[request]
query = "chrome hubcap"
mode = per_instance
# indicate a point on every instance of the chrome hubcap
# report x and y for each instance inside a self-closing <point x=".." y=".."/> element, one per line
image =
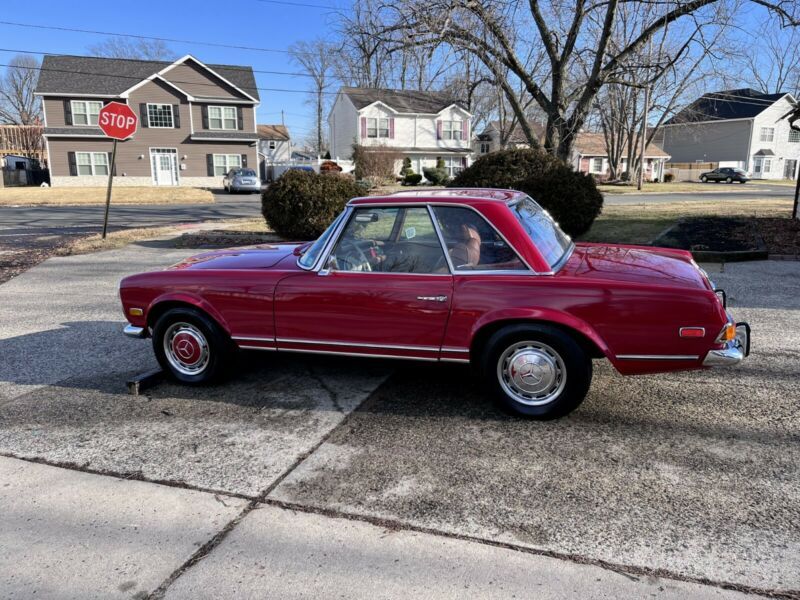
<point x="532" y="373"/>
<point x="186" y="348"/>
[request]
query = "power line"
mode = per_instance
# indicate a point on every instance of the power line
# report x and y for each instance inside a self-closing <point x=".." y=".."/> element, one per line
<point x="297" y="4"/>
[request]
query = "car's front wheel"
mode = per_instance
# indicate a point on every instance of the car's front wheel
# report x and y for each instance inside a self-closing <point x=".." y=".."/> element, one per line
<point x="536" y="371"/>
<point x="704" y="179"/>
<point x="729" y="180"/>
<point x="190" y="346"/>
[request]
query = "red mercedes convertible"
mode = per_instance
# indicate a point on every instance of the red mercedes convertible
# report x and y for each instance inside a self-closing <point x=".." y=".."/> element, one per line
<point x="476" y="276"/>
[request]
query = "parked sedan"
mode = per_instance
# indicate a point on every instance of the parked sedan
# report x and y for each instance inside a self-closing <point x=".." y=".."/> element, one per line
<point x="241" y="180"/>
<point x="474" y="276"/>
<point x="726" y="174"/>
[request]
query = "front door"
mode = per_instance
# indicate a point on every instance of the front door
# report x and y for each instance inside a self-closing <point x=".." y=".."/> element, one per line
<point x="165" y="169"/>
<point x="789" y="169"/>
<point x="386" y="291"/>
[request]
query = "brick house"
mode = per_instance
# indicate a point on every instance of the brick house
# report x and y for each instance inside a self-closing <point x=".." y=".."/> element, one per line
<point x="196" y="121"/>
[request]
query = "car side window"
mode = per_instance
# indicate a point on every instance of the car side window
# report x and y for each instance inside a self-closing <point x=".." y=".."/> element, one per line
<point x="472" y="243"/>
<point x="389" y="240"/>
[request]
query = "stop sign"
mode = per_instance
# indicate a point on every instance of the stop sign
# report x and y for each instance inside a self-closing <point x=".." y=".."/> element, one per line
<point x="117" y="120"/>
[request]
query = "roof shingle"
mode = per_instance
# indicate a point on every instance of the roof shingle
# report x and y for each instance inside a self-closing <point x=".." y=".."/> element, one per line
<point x="728" y="104"/>
<point x="404" y="101"/>
<point x="273" y="132"/>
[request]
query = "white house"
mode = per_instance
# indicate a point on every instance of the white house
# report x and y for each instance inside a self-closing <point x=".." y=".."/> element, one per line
<point x="423" y="126"/>
<point x="491" y="138"/>
<point x="274" y="146"/>
<point x="736" y="128"/>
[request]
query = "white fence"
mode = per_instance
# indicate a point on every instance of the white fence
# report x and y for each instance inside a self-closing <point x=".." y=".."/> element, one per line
<point x="277" y="168"/>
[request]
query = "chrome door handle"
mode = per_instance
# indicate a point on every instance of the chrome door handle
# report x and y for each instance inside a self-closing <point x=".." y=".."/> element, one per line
<point x="432" y="298"/>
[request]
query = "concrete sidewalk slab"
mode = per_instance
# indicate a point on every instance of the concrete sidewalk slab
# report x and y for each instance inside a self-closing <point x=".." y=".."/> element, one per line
<point x="697" y="473"/>
<point x="277" y="553"/>
<point x="66" y="534"/>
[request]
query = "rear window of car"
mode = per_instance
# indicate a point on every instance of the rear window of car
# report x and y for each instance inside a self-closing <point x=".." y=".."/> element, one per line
<point x="246" y="173"/>
<point x="551" y="242"/>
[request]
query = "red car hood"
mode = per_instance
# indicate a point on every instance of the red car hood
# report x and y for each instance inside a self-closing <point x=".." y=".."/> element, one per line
<point x="263" y="256"/>
<point x="635" y="264"/>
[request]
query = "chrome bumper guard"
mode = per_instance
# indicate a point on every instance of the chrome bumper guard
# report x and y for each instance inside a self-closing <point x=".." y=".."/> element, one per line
<point x="135" y="332"/>
<point x="733" y="352"/>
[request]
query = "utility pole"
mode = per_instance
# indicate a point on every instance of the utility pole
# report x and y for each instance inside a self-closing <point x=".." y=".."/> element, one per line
<point x="282" y="121"/>
<point x="644" y="136"/>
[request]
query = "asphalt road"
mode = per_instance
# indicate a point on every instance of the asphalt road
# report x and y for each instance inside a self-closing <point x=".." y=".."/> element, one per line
<point x="375" y="480"/>
<point x="719" y="191"/>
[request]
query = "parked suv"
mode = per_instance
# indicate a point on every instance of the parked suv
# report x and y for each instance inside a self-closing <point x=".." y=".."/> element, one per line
<point x="726" y="174"/>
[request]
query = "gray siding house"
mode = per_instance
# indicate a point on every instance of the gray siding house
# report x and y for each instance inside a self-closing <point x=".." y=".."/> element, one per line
<point x="736" y="128"/>
<point x="196" y="121"/>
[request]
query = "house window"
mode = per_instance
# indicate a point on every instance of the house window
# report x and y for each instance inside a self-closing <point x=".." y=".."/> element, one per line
<point x="451" y="130"/>
<point x="225" y="162"/>
<point x="454" y="165"/>
<point x="767" y="165"/>
<point x="377" y="128"/>
<point x="794" y="136"/>
<point x="92" y="163"/>
<point x="222" y="117"/>
<point x="159" y="116"/>
<point x="485" y="147"/>
<point x="767" y="134"/>
<point x="272" y="144"/>
<point x="596" y="166"/>
<point x="84" y="112"/>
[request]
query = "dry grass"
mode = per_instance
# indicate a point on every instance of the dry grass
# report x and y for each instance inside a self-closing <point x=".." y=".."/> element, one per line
<point x="641" y="223"/>
<point x="63" y="196"/>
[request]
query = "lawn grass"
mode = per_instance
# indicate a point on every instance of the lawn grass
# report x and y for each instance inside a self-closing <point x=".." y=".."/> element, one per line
<point x="668" y="188"/>
<point x="641" y="223"/>
<point x="65" y="196"/>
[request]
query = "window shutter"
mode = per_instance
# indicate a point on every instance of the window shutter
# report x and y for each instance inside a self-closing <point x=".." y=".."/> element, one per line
<point x="464" y="161"/>
<point x="176" y="116"/>
<point x="363" y="127"/>
<point x="143" y="114"/>
<point x="210" y="164"/>
<point x="438" y="129"/>
<point x="73" y="165"/>
<point x="204" y="113"/>
<point x="239" y="119"/>
<point x="244" y="160"/>
<point x="464" y="129"/>
<point x="391" y="128"/>
<point x="68" y="112"/>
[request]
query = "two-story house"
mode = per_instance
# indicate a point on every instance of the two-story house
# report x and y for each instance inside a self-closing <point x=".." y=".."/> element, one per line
<point x="736" y="128"/>
<point x="196" y="121"/>
<point x="423" y="126"/>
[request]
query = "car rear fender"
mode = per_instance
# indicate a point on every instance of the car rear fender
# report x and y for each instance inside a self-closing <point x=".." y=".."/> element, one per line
<point x="580" y="329"/>
<point x="174" y="299"/>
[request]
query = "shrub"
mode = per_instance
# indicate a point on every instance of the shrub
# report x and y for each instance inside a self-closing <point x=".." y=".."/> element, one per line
<point x="375" y="162"/>
<point x="412" y="179"/>
<point x="571" y="198"/>
<point x="406" y="170"/>
<point x="301" y="204"/>
<point x="669" y="177"/>
<point x="504" y="168"/>
<point x="435" y="175"/>
<point x="329" y="166"/>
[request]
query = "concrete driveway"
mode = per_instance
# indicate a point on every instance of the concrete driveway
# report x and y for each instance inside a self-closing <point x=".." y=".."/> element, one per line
<point x="304" y="477"/>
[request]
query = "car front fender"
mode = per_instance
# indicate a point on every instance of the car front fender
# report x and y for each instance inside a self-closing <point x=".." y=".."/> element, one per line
<point x="186" y="298"/>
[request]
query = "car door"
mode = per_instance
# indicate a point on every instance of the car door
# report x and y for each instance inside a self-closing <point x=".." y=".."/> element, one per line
<point x="385" y="290"/>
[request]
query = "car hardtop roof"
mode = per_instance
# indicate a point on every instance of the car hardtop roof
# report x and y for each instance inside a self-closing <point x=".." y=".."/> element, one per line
<point x="454" y="195"/>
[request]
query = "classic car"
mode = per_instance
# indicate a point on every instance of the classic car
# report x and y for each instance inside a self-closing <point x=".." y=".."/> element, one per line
<point x="476" y="276"/>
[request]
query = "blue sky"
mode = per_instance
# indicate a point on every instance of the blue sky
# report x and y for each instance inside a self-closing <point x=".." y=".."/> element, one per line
<point x="237" y="22"/>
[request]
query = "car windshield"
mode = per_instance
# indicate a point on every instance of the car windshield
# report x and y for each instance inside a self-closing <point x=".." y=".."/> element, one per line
<point x="551" y="242"/>
<point x="311" y="255"/>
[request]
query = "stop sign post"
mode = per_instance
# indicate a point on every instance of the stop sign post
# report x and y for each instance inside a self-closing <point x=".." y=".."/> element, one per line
<point x="118" y="122"/>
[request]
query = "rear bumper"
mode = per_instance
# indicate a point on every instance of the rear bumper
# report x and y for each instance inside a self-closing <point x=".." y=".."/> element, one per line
<point x="255" y="187"/>
<point x="135" y="332"/>
<point x="733" y="352"/>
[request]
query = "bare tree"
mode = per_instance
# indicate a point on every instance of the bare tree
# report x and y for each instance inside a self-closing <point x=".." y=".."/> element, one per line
<point x="771" y="61"/>
<point x="128" y="47"/>
<point x="18" y="105"/>
<point x="574" y="36"/>
<point x="317" y="58"/>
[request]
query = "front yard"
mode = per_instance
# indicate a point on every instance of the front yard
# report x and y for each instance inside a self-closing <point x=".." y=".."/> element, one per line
<point x="33" y="196"/>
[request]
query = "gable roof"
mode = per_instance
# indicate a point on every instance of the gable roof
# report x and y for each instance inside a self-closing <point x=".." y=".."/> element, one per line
<point x="92" y="75"/>
<point x="273" y="132"/>
<point x="517" y="136"/>
<point x="404" y="101"/>
<point x="743" y="103"/>
<point x="589" y="143"/>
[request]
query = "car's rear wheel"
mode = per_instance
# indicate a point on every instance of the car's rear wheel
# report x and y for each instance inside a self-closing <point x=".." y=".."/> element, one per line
<point x="191" y="347"/>
<point x="536" y="371"/>
<point x="729" y="180"/>
<point x="704" y="179"/>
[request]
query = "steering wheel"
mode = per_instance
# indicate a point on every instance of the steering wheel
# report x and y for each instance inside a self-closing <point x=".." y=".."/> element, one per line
<point x="352" y="250"/>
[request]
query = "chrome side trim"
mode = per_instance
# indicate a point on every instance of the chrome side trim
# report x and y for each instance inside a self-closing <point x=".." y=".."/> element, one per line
<point x="243" y="347"/>
<point x="455" y="360"/>
<point x="237" y="338"/>
<point x="135" y="332"/>
<point x="657" y="357"/>
<point x="360" y="354"/>
<point x="358" y="345"/>
<point x="451" y="349"/>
